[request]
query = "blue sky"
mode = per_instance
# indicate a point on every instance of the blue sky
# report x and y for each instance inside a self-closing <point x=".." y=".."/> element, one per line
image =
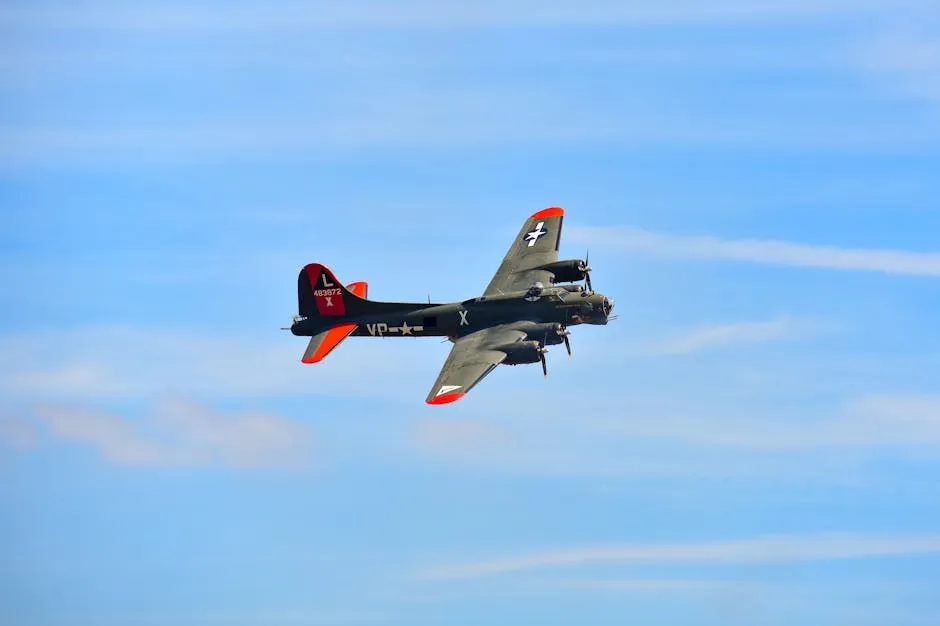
<point x="756" y="440"/>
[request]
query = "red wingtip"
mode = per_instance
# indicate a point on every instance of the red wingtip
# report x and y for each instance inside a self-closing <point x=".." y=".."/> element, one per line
<point x="554" y="211"/>
<point x="446" y="398"/>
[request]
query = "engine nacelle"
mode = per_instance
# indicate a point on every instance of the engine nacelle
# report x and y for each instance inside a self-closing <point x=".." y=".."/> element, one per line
<point x="566" y="271"/>
<point x="550" y="333"/>
<point x="522" y="352"/>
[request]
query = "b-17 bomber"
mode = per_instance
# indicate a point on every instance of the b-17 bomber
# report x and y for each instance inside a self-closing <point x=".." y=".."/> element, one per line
<point x="529" y="305"/>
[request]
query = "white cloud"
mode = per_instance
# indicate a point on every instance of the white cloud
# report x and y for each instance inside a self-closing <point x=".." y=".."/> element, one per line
<point x="458" y="436"/>
<point x="641" y="584"/>
<point x="723" y="335"/>
<point x="114" y="436"/>
<point x="128" y="362"/>
<point x="17" y="431"/>
<point x="461" y="118"/>
<point x="907" y="64"/>
<point x="184" y="433"/>
<point x="683" y="433"/>
<point x="763" y="251"/>
<point x="763" y="550"/>
<point x="872" y="421"/>
<point x="434" y="14"/>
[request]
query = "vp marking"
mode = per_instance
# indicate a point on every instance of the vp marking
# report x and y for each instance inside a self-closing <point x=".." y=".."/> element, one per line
<point x="533" y="236"/>
<point x="380" y="329"/>
<point x="377" y="329"/>
<point x="463" y="318"/>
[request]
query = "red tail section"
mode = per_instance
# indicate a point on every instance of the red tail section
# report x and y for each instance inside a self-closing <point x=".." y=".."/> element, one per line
<point x="360" y="289"/>
<point x="319" y="292"/>
<point x="324" y="343"/>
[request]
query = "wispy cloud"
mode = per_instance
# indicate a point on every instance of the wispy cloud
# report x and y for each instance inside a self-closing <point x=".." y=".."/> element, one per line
<point x="724" y="335"/>
<point x="665" y="584"/>
<point x="100" y="365"/>
<point x="461" y="118"/>
<point x="17" y="431"/>
<point x="428" y="14"/>
<point x="687" y="434"/>
<point x="458" y="436"/>
<point x="184" y="433"/>
<point x="763" y="251"/>
<point x="766" y="550"/>
<point x="907" y="63"/>
<point x="870" y="421"/>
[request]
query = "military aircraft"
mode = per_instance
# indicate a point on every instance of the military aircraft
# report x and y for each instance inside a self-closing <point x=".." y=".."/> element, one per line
<point x="528" y="305"/>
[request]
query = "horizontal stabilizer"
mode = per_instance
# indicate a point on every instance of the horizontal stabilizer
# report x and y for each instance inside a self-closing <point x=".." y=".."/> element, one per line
<point x="324" y="343"/>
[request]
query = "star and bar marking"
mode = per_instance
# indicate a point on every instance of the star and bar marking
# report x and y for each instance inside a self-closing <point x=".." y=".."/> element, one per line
<point x="534" y="235"/>
<point x="447" y="389"/>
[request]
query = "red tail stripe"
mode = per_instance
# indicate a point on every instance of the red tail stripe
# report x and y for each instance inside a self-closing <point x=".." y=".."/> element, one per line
<point x="359" y="289"/>
<point x="554" y="211"/>
<point x="327" y="291"/>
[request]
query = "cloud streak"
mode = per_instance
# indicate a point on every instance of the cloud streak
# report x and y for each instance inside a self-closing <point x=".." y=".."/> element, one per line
<point x="17" y="432"/>
<point x="772" y="549"/>
<point x="99" y="366"/>
<point x="456" y="436"/>
<point x="724" y="335"/>
<point x="908" y="63"/>
<point x="180" y="433"/>
<point x="869" y="421"/>
<point x="424" y="14"/>
<point x="761" y="251"/>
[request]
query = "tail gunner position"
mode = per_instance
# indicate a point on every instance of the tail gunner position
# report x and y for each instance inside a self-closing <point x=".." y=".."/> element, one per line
<point x="529" y="304"/>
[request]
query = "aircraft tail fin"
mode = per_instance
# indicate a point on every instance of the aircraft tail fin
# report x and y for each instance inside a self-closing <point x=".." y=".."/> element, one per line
<point x="320" y="294"/>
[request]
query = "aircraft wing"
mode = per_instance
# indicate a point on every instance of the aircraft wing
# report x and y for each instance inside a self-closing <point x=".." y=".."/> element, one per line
<point x="472" y="357"/>
<point x="537" y="244"/>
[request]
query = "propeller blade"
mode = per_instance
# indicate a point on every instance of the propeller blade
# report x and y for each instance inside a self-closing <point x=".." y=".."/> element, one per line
<point x="587" y="270"/>
<point x="542" y="351"/>
<point x="567" y="345"/>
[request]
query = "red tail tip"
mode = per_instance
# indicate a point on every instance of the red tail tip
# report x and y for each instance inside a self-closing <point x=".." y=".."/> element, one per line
<point x="446" y="398"/>
<point x="554" y="211"/>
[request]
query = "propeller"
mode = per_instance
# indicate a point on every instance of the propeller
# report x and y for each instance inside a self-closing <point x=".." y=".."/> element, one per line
<point x="585" y="267"/>
<point x="542" y="351"/>
<point x="564" y="332"/>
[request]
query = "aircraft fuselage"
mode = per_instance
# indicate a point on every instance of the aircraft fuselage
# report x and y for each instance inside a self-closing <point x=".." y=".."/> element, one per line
<point x="460" y="318"/>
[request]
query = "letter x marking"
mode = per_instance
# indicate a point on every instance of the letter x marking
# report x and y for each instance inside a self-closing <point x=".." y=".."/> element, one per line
<point x="463" y="318"/>
<point x="329" y="300"/>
